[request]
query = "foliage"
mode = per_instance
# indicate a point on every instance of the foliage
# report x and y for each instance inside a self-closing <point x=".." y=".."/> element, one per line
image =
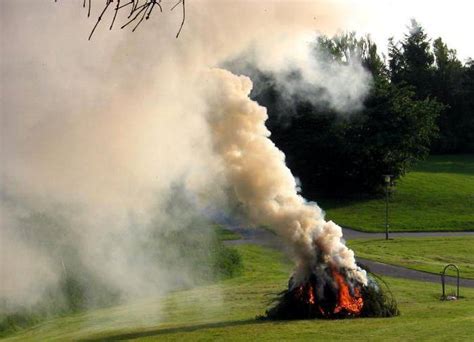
<point x="392" y="133"/>
<point x="336" y="155"/>
<point x="412" y="62"/>
<point x="421" y="102"/>
<point x="347" y="48"/>
<point x="434" y="71"/>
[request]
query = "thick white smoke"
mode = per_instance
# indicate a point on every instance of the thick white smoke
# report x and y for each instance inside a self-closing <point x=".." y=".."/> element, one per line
<point x="263" y="183"/>
<point x="302" y="71"/>
<point x="94" y="135"/>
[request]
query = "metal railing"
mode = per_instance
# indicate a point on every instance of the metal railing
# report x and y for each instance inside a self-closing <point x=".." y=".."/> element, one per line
<point x="443" y="280"/>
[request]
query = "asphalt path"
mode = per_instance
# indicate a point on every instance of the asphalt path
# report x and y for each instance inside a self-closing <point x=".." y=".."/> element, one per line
<point x="267" y="238"/>
<point x="350" y="234"/>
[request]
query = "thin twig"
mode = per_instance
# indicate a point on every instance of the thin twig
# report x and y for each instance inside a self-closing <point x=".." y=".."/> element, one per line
<point x="184" y="18"/>
<point x="176" y="5"/>
<point x="127" y="4"/>
<point x="134" y="18"/>
<point x="139" y="10"/>
<point x="141" y="19"/>
<point x="115" y="14"/>
<point x="100" y="17"/>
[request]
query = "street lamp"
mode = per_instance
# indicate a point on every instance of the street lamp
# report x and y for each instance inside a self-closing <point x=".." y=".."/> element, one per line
<point x="387" y="179"/>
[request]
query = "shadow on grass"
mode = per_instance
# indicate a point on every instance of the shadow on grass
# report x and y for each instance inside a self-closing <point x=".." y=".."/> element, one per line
<point x="163" y="331"/>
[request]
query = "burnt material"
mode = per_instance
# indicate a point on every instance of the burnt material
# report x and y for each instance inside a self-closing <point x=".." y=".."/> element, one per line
<point x="333" y="297"/>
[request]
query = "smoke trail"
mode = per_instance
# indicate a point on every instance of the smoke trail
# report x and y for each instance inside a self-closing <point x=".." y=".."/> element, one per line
<point x="303" y="72"/>
<point x="94" y="134"/>
<point x="263" y="183"/>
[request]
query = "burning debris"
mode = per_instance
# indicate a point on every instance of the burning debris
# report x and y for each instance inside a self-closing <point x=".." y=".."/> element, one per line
<point x="330" y="295"/>
<point x="330" y="292"/>
<point x="319" y="299"/>
<point x="327" y="282"/>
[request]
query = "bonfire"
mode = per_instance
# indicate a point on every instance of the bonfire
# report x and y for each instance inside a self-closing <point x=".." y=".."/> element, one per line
<point x="327" y="282"/>
<point x="328" y="293"/>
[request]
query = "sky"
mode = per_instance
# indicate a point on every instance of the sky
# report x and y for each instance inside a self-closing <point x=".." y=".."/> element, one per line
<point x="451" y="20"/>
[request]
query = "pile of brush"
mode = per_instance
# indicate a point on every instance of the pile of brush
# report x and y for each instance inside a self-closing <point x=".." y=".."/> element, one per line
<point x="335" y="299"/>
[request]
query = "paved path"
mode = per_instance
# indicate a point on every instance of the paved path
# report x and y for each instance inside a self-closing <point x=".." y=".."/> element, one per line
<point x="402" y="272"/>
<point x="350" y="234"/>
<point x="269" y="239"/>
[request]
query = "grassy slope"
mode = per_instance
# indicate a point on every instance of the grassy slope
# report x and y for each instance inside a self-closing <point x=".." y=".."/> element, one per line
<point x="226" y="311"/>
<point x="225" y="234"/>
<point x="437" y="195"/>
<point x="425" y="254"/>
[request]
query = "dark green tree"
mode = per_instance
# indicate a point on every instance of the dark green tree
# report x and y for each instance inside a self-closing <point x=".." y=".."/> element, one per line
<point x="348" y="48"/>
<point x="466" y="129"/>
<point x="451" y="87"/>
<point x="341" y="154"/>
<point x="392" y="133"/>
<point x="446" y="86"/>
<point x="411" y="61"/>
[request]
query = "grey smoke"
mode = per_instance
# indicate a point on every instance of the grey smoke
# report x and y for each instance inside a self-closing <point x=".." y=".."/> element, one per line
<point x="94" y="135"/>
<point x="306" y="73"/>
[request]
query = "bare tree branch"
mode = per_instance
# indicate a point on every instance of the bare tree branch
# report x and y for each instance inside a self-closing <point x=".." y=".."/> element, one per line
<point x="184" y="15"/>
<point x="100" y="17"/>
<point x="139" y="10"/>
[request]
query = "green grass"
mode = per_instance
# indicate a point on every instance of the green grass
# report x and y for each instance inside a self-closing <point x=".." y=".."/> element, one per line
<point x="201" y="255"/>
<point x="225" y="234"/>
<point x="424" y="254"/>
<point x="438" y="195"/>
<point x="227" y="310"/>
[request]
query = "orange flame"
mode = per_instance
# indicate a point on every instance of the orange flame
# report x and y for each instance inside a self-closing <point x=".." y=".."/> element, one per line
<point x="306" y="294"/>
<point x="347" y="302"/>
<point x="311" y="295"/>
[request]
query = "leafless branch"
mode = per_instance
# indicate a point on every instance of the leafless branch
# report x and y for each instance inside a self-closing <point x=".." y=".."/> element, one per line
<point x="100" y="17"/>
<point x="184" y="15"/>
<point x="139" y="10"/>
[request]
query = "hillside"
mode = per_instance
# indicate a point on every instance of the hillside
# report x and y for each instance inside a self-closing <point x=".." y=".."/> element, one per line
<point x="227" y="311"/>
<point x="438" y="195"/>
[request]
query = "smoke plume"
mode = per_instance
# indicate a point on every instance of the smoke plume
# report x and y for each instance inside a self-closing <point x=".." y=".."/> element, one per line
<point x="263" y="183"/>
<point x="94" y="136"/>
<point x="303" y="72"/>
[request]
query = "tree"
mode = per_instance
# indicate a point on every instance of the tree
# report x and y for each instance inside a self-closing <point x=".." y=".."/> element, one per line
<point x="411" y="61"/>
<point x="447" y="88"/>
<point x="340" y="154"/>
<point x="348" y="48"/>
<point x="436" y="73"/>
<point x="466" y="127"/>
<point x="391" y="134"/>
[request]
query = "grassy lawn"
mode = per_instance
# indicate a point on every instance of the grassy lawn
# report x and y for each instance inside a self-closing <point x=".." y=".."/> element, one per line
<point x="424" y="254"/>
<point x="225" y="234"/>
<point x="227" y="310"/>
<point x="437" y="195"/>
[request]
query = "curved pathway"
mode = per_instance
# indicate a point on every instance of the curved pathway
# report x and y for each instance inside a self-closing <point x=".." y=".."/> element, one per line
<point x="269" y="239"/>
<point x="351" y="234"/>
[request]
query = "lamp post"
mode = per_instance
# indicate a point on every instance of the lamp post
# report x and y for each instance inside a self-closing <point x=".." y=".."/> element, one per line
<point x="387" y="179"/>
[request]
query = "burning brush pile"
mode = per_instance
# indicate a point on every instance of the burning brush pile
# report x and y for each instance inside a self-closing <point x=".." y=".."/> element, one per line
<point x="327" y="282"/>
<point x="328" y="294"/>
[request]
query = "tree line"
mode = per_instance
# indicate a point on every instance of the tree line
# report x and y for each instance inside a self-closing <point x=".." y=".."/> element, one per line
<point x="421" y="102"/>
